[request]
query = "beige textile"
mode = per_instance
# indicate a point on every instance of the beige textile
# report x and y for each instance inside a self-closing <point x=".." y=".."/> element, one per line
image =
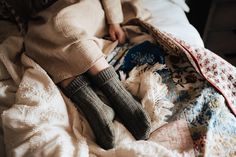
<point x="39" y="121"/>
<point x="65" y="39"/>
<point x="113" y="11"/>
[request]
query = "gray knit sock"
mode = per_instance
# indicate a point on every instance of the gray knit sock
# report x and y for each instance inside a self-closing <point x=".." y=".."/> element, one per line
<point x="98" y="115"/>
<point x="131" y="112"/>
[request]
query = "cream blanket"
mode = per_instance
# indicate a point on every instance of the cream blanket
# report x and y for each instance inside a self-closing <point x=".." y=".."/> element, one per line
<point x="38" y="120"/>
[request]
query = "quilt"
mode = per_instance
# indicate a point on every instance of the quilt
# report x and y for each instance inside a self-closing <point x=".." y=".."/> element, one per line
<point x="188" y="92"/>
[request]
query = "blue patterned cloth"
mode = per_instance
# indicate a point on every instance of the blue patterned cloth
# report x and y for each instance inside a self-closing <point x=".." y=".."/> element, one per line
<point x="143" y="53"/>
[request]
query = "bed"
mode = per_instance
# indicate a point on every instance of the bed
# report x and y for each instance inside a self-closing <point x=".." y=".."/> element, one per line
<point x="192" y="114"/>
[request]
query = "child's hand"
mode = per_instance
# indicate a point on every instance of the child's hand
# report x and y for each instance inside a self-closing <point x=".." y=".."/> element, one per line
<point x="117" y="33"/>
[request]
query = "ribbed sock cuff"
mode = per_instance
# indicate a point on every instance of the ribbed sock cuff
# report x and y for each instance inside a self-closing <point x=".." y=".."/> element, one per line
<point x="79" y="82"/>
<point x="105" y="75"/>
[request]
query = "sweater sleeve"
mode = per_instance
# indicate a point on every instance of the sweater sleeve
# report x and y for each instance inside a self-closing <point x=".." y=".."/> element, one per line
<point x="113" y="11"/>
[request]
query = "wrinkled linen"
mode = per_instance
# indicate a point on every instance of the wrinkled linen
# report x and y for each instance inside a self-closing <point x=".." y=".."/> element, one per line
<point x="38" y="120"/>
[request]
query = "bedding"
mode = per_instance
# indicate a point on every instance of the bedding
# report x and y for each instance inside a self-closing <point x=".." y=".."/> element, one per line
<point x="188" y="97"/>
<point x="169" y="16"/>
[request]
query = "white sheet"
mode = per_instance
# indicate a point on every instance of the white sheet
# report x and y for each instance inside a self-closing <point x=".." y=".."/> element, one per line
<point x="169" y="16"/>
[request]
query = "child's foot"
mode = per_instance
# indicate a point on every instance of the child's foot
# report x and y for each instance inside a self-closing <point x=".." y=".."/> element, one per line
<point x="131" y="113"/>
<point x="98" y="115"/>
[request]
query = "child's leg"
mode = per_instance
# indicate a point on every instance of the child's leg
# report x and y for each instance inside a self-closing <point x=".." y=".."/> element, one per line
<point x="99" y="115"/>
<point x="100" y="65"/>
<point x="61" y="40"/>
<point x="127" y="108"/>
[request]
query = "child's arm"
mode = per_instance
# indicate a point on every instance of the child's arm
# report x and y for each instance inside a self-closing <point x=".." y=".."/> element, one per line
<point x="114" y="16"/>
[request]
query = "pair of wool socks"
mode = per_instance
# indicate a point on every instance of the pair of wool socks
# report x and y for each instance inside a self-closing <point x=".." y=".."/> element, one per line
<point x="100" y="116"/>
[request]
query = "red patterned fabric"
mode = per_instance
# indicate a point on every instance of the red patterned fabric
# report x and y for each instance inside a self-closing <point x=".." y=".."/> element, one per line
<point x="218" y="72"/>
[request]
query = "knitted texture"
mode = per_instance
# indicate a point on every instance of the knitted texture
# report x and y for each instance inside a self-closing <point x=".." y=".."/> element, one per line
<point x="131" y="113"/>
<point x="105" y="76"/>
<point x="98" y="115"/>
<point x="79" y="82"/>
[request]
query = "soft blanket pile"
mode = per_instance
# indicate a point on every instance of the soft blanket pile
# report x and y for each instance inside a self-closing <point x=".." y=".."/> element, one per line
<point x="189" y="117"/>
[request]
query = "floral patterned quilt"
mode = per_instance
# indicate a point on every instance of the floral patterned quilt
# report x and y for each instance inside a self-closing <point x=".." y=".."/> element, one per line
<point x="211" y="123"/>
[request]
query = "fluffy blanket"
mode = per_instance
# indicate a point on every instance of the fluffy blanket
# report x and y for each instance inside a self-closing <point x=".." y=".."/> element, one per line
<point x="184" y="99"/>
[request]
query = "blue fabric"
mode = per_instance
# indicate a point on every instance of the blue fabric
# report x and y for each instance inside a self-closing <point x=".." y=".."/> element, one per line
<point x="143" y="53"/>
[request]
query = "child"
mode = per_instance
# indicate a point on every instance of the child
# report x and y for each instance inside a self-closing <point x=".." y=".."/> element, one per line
<point x="65" y="39"/>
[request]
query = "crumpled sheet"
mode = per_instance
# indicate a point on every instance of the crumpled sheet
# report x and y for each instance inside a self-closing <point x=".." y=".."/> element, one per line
<point x="38" y="120"/>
